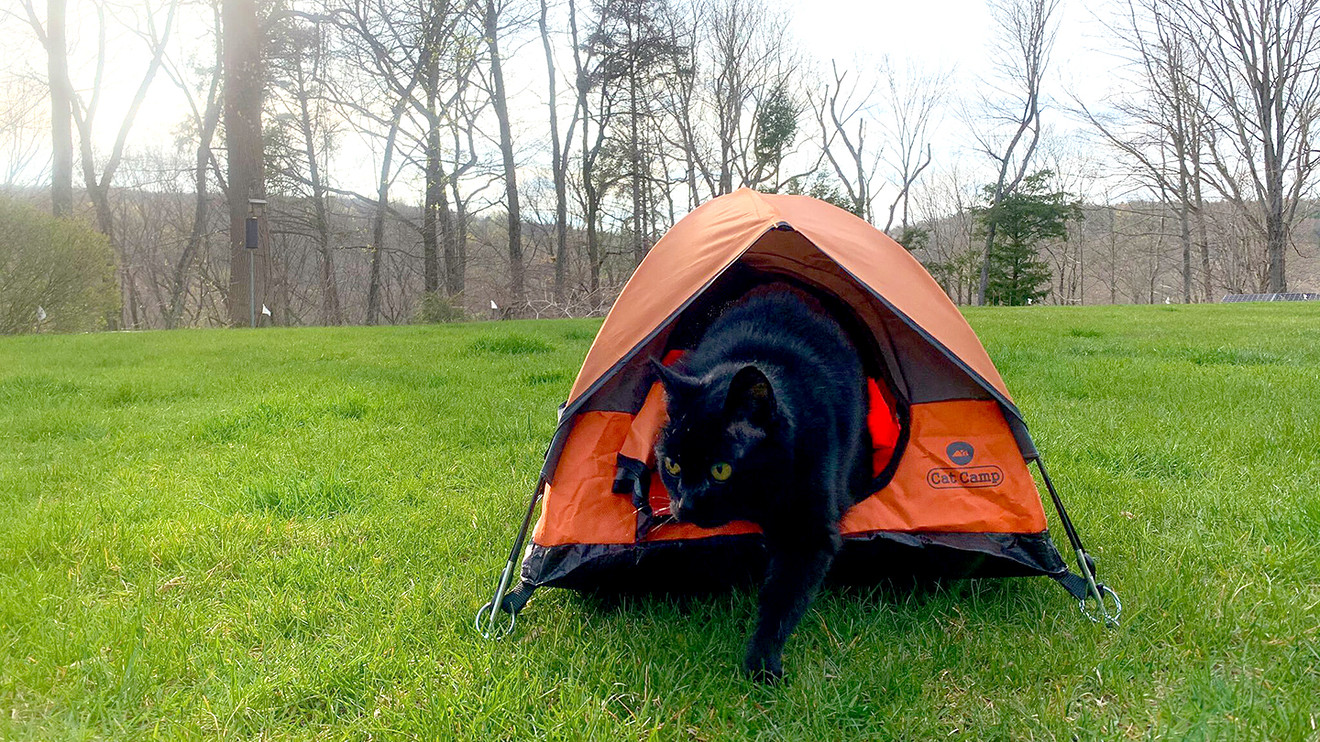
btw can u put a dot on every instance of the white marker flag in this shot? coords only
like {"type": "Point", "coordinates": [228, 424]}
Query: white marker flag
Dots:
{"type": "Point", "coordinates": [265, 310]}
{"type": "Point", "coordinates": [493, 305]}
{"type": "Point", "coordinates": [41, 314]}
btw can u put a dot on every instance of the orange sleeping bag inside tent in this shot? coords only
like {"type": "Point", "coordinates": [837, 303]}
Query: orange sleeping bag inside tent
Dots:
{"type": "Point", "coordinates": [952, 493]}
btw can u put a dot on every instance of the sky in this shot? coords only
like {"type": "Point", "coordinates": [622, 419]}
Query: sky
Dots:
{"type": "Point", "coordinates": [950, 35]}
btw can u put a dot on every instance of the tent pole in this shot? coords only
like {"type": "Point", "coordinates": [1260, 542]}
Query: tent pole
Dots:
{"type": "Point", "coordinates": [1085, 563]}
{"type": "Point", "coordinates": [492, 629]}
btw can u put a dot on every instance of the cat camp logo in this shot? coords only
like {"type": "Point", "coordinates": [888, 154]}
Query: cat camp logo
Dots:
{"type": "Point", "coordinates": [961, 475]}
{"type": "Point", "coordinates": [960, 453]}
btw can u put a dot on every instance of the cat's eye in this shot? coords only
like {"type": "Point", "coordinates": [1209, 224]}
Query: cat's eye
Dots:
{"type": "Point", "coordinates": [672, 467]}
{"type": "Point", "coordinates": [721, 472]}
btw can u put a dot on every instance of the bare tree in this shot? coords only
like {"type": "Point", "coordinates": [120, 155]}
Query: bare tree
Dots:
{"type": "Point", "coordinates": [22, 126]}
{"type": "Point", "coordinates": [1076, 171]}
{"type": "Point", "coordinates": [1162, 129]}
{"type": "Point", "coordinates": [901, 107]}
{"type": "Point", "coordinates": [1012, 118]}
{"type": "Point", "coordinates": [500, 100]}
{"type": "Point", "coordinates": [381, 206]}
{"type": "Point", "coordinates": [914, 98]}
{"type": "Point", "coordinates": [465, 163]}
{"type": "Point", "coordinates": [635, 48]}
{"type": "Point", "coordinates": [1262, 76]}
{"type": "Point", "coordinates": [595, 82]}
{"type": "Point", "coordinates": [750, 71]}
{"type": "Point", "coordinates": [204, 120]}
{"type": "Point", "coordinates": [56, 42]}
{"type": "Point", "coordinates": [944, 210]}
{"type": "Point", "coordinates": [298, 66]}
{"type": "Point", "coordinates": [408, 51]}
{"type": "Point", "coordinates": [682, 102]}
{"type": "Point", "coordinates": [155, 33]}
{"type": "Point", "coordinates": [558, 162]}
{"type": "Point", "coordinates": [841, 114]}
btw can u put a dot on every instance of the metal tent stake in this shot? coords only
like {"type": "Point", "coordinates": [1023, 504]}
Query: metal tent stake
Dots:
{"type": "Point", "coordinates": [489, 625]}
{"type": "Point", "coordinates": [1102, 595]}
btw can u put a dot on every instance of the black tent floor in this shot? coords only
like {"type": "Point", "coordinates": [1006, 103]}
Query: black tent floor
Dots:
{"type": "Point", "coordinates": [721, 561]}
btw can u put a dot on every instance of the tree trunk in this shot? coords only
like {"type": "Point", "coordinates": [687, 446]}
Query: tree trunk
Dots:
{"type": "Point", "coordinates": [458, 231]}
{"type": "Point", "coordinates": [61, 129]}
{"type": "Point", "coordinates": [635, 150]}
{"type": "Point", "coordinates": [1276, 236]}
{"type": "Point", "coordinates": [1277, 233]}
{"type": "Point", "coordinates": [984, 283]}
{"type": "Point", "coordinates": [638, 246]}
{"type": "Point", "coordinates": [1113, 256]}
{"type": "Point", "coordinates": [517, 292]}
{"type": "Point", "coordinates": [1261, 58]}
{"type": "Point", "coordinates": [449, 240]}
{"type": "Point", "coordinates": [435, 183]}
{"type": "Point", "coordinates": [331, 312]}
{"type": "Point", "coordinates": [592, 198]}
{"type": "Point", "coordinates": [201, 209]}
{"type": "Point", "coordinates": [1081, 273]}
{"type": "Point", "coordinates": [1203, 236]}
{"type": "Point", "coordinates": [247, 178]}
{"type": "Point", "coordinates": [593, 193]}
{"type": "Point", "coordinates": [593, 243]}
{"type": "Point", "coordinates": [557, 166]}
{"type": "Point", "coordinates": [378, 219]}
{"type": "Point", "coordinates": [1185, 234]}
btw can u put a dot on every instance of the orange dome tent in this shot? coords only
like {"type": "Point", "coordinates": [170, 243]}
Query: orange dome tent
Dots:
{"type": "Point", "coordinates": [952, 495]}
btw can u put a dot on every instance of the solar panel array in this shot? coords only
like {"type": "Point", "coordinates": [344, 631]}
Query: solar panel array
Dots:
{"type": "Point", "coordinates": [1291, 296]}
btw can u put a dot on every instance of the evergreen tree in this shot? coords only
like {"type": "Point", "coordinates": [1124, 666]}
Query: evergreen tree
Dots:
{"type": "Point", "coordinates": [637, 52]}
{"type": "Point", "coordinates": [1022, 220]}
{"type": "Point", "coordinates": [776, 128]}
{"type": "Point", "coordinates": [821, 185]}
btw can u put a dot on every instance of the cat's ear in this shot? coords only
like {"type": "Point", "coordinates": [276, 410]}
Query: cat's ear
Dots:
{"type": "Point", "coordinates": [750, 396]}
{"type": "Point", "coordinates": [675, 383]}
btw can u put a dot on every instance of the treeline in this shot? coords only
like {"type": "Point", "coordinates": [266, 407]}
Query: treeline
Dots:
{"type": "Point", "coordinates": [415, 160]}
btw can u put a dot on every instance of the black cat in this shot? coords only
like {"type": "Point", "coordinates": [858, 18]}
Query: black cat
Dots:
{"type": "Point", "coordinates": [767, 423]}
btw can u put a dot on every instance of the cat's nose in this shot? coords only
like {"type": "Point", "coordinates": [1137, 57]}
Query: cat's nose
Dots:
{"type": "Point", "coordinates": [682, 509]}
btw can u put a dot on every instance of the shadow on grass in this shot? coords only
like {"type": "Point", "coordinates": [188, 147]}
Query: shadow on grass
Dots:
{"type": "Point", "coordinates": [995, 595]}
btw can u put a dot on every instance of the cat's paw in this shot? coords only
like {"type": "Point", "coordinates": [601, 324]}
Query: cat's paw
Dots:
{"type": "Point", "coordinates": [763, 668]}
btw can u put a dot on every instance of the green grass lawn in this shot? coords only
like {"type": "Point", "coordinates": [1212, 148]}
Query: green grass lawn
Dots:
{"type": "Point", "coordinates": [285, 534]}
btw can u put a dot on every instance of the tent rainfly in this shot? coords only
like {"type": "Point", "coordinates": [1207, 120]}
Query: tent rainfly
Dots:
{"type": "Point", "coordinates": [952, 495]}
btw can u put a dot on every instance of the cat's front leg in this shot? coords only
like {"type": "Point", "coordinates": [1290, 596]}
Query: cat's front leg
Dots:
{"type": "Point", "coordinates": [795, 572]}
